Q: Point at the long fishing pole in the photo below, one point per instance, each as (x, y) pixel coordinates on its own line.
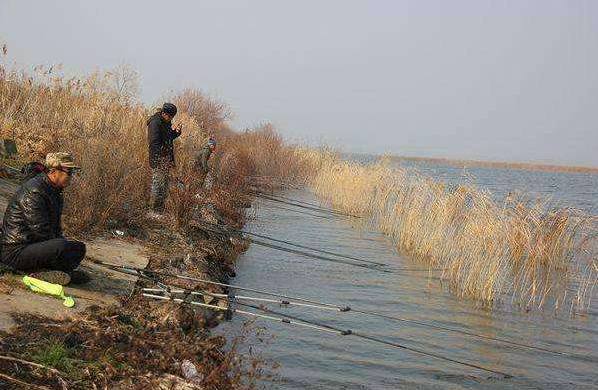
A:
(322, 216)
(305, 254)
(319, 209)
(217, 230)
(242, 312)
(282, 302)
(312, 256)
(282, 183)
(288, 319)
(293, 244)
(289, 302)
(295, 200)
(300, 204)
(142, 273)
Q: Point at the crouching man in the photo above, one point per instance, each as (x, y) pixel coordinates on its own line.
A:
(32, 239)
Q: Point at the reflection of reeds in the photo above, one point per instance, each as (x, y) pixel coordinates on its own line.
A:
(487, 250)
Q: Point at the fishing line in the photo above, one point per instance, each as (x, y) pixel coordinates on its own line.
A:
(377, 340)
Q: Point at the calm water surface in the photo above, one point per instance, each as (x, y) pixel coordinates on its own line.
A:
(315, 360)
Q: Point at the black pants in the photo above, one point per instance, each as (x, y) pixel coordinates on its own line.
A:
(56, 254)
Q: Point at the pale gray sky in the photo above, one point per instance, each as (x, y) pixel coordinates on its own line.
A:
(492, 80)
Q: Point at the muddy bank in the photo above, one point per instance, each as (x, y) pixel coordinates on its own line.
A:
(130, 341)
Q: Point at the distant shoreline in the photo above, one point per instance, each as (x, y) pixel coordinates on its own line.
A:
(499, 164)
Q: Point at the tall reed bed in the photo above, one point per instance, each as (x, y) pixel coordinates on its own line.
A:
(98, 120)
(516, 250)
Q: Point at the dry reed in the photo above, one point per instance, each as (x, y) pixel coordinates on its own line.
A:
(517, 250)
(100, 120)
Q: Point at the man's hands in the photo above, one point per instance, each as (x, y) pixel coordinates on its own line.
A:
(178, 128)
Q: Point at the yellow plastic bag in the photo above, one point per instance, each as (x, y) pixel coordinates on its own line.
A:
(43, 287)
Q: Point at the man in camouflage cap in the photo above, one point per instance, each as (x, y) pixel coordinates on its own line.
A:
(32, 239)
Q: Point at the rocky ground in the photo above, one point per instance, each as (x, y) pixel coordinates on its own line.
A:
(114, 338)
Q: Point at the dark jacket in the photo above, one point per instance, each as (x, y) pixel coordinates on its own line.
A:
(201, 160)
(160, 136)
(33, 214)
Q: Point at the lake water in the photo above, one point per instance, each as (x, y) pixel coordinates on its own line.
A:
(315, 360)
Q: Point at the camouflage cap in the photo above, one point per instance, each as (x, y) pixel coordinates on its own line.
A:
(60, 160)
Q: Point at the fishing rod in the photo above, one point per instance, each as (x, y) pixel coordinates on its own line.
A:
(294, 320)
(142, 273)
(317, 257)
(305, 254)
(289, 302)
(292, 244)
(242, 312)
(294, 200)
(281, 182)
(218, 230)
(301, 212)
(319, 209)
(312, 248)
(282, 302)
(300, 204)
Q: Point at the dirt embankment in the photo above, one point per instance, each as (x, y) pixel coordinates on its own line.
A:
(114, 338)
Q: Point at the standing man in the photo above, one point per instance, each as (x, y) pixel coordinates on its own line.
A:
(32, 239)
(160, 136)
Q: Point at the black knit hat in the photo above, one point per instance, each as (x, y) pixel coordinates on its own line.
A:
(169, 109)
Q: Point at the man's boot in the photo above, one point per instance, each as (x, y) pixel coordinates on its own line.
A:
(79, 277)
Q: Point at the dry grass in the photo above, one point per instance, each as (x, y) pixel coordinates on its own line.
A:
(270, 157)
(100, 121)
(517, 250)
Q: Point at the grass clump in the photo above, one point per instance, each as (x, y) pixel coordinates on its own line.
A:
(54, 354)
